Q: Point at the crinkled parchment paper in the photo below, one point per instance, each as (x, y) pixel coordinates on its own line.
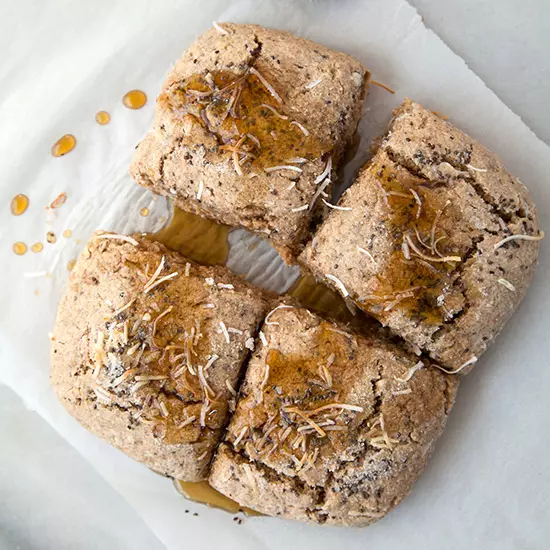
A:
(487, 485)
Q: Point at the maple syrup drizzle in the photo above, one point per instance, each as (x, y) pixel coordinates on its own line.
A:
(198, 239)
(144, 212)
(102, 118)
(37, 247)
(320, 298)
(19, 204)
(67, 233)
(63, 145)
(70, 265)
(203, 493)
(134, 99)
(248, 122)
(430, 280)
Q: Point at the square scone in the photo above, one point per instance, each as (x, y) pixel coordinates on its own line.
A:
(147, 349)
(250, 126)
(330, 427)
(435, 239)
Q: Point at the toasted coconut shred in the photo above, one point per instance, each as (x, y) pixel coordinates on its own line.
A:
(224, 332)
(271, 313)
(506, 284)
(520, 237)
(470, 167)
(239, 438)
(336, 207)
(326, 172)
(200, 190)
(470, 361)
(266, 84)
(157, 272)
(320, 191)
(274, 111)
(411, 372)
(365, 252)
(219, 28)
(230, 388)
(160, 281)
(312, 85)
(302, 128)
(186, 422)
(338, 283)
(283, 167)
(116, 237)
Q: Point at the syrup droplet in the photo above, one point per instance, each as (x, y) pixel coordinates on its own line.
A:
(37, 247)
(50, 237)
(144, 212)
(135, 99)
(70, 265)
(19, 248)
(102, 117)
(67, 233)
(19, 204)
(63, 145)
(203, 493)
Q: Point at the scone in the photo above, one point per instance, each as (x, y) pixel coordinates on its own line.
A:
(435, 239)
(330, 427)
(250, 126)
(148, 349)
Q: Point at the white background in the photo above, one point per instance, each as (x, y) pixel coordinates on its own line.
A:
(50, 497)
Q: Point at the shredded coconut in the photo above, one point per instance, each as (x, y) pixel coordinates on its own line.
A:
(269, 315)
(302, 128)
(520, 238)
(506, 284)
(336, 207)
(338, 283)
(312, 85)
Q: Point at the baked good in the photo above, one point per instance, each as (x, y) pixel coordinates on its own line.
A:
(330, 427)
(435, 239)
(148, 349)
(250, 126)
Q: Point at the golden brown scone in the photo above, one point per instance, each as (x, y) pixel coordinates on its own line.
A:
(148, 348)
(437, 240)
(330, 427)
(242, 102)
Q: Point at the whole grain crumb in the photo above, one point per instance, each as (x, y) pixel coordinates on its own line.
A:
(50, 237)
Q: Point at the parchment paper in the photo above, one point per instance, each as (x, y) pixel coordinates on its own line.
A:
(487, 485)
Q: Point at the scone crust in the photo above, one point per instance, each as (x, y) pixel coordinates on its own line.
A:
(371, 452)
(121, 353)
(479, 205)
(179, 156)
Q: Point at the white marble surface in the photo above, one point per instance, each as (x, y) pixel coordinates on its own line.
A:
(508, 53)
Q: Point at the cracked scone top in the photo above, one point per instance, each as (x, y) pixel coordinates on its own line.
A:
(148, 348)
(250, 125)
(437, 240)
(330, 427)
